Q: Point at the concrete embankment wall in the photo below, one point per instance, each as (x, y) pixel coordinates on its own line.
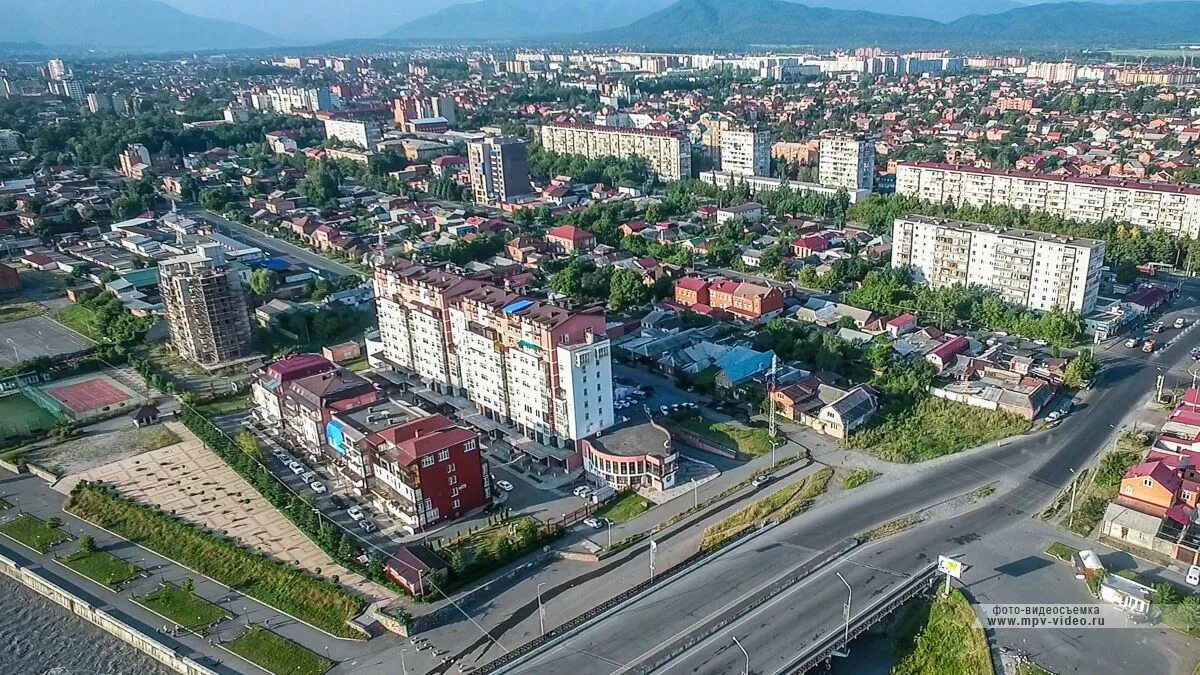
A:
(115, 627)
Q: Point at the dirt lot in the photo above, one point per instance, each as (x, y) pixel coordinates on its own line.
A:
(101, 444)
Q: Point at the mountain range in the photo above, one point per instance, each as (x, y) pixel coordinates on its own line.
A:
(126, 25)
(717, 24)
(188, 25)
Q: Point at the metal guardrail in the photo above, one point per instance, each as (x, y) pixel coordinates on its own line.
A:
(824, 650)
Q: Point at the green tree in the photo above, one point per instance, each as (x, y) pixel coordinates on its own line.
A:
(878, 354)
(1081, 369)
(627, 290)
(87, 544)
(248, 444)
(263, 281)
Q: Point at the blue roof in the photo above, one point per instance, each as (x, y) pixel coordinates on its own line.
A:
(274, 264)
(740, 364)
(518, 306)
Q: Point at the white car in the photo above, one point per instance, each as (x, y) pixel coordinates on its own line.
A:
(296, 467)
(1180, 323)
(309, 476)
(1132, 342)
(282, 455)
(1053, 416)
(504, 485)
(367, 526)
(318, 487)
(582, 491)
(1193, 575)
(593, 523)
(355, 513)
(762, 480)
(1041, 343)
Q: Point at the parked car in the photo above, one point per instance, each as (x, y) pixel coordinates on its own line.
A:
(318, 487)
(1157, 328)
(1193, 575)
(582, 491)
(593, 522)
(1149, 345)
(1132, 343)
(308, 476)
(504, 485)
(1180, 323)
(367, 526)
(337, 501)
(762, 480)
(281, 455)
(1053, 416)
(355, 513)
(296, 467)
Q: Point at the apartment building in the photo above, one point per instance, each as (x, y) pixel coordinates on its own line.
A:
(309, 403)
(406, 110)
(668, 154)
(269, 384)
(287, 99)
(1033, 269)
(1150, 206)
(541, 368)
(847, 162)
(499, 170)
(746, 151)
(364, 134)
(205, 306)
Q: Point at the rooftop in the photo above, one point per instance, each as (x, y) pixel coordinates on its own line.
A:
(638, 437)
(1013, 232)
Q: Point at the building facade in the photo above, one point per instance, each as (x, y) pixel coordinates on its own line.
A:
(1033, 269)
(746, 151)
(847, 162)
(286, 99)
(363, 134)
(668, 154)
(632, 456)
(499, 170)
(1150, 206)
(205, 306)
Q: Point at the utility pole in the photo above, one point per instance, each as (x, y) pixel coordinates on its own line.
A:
(695, 494)
(541, 609)
(771, 401)
(846, 615)
(653, 549)
(744, 653)
(1074, 487)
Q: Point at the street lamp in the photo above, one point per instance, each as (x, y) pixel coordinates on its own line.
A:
(609, 524)
(403, 668)
(846, 612)
(541, 609)
(695, 494)
(744, 653)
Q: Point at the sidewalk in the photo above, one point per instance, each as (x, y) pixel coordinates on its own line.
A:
(30, 495)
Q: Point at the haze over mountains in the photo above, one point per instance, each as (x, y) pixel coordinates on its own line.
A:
(185, 25)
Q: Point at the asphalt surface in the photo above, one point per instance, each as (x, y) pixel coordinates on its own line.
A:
(1031, 471)
(274, 245)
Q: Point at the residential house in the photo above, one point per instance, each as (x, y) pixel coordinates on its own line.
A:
(570, 239)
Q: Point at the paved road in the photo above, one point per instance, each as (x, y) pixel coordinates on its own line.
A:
(272, 244)
(1032, 470)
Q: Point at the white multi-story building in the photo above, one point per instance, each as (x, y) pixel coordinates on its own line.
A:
(1033, 269)
(362, 134)
(499, 169)
(746, 151)
(57, 69)
(668, 154)
(767, 184)
(1151, 206)
(286, 99)
(541, 368)
(847, 161)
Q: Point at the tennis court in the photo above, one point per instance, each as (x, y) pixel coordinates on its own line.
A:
(90, 395)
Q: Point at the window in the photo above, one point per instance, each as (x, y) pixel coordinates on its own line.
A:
(1186, 495)
(455, 503)
(443, 455)
(1147, 482)
(452, 468)
(427, 460)
(452, 480)
(468, 446)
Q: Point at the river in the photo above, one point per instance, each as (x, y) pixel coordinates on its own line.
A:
(38, 637)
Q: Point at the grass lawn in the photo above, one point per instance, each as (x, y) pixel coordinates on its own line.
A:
(1031, 669)
(276, 654)
(356, 365)
(183, 607)
(859, 477)
(1061, 551)
(54, 281)
(149, 438)
(19, 415)
(748, 441)
(950, 643)
(34, 533)
(20, 310)
(933, 428)
(101, 567)
(889, 528)
(226, 405)
(625, 507)
(80, 319)
(1095, 493)
(780, 505)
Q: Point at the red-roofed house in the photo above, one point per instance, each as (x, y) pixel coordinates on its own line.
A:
(570, 239)
(897, 326)
(944, 354)
(39, 261)
(691, 291)
(1150, 487)
(812, 244)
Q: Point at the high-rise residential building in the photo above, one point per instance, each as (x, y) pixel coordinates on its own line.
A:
(98, 102)
(668, 154)
(1065, 71)
(206, 306)
(1032, 269)
(10, 140)
(746, 151)
(56, 69)
(1150, 206)
(364, 134)
(847, 161)
(69, 87)
(415, 107)
(287, 99)
(499, 169)
(542, 368)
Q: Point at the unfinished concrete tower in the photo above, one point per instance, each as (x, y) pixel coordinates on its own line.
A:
(206, 306)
